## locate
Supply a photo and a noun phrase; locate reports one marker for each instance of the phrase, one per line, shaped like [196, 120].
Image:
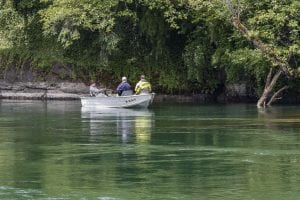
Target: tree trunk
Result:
[269, 86]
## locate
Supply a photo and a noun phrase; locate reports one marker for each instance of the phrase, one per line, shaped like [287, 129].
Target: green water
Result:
[57, 150]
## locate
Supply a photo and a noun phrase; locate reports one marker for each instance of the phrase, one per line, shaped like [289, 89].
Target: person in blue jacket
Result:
[124, 88]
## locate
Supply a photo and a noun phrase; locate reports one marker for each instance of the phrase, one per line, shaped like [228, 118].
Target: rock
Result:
[43, 90]
[20, 95]
[237, 93]
[236, 89]
[196, 98]
[73, 87]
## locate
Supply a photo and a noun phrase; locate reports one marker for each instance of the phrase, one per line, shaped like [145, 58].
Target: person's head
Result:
[124, 79]
[142, 77]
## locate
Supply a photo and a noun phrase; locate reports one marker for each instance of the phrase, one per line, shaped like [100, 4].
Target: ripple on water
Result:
[7, 192]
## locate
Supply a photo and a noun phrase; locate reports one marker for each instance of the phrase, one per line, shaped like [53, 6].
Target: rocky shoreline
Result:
[59, 85]
[42, 90]
[65, 90]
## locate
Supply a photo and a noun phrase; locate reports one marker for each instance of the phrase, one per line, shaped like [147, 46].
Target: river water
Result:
[57, 150]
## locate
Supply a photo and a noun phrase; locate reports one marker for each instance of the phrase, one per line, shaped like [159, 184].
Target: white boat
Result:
[132, 101]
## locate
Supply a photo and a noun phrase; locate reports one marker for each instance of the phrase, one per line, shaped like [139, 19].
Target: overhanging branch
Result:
[257, 42]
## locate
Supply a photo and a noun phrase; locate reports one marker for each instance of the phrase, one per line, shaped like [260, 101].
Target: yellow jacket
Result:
[142, 86]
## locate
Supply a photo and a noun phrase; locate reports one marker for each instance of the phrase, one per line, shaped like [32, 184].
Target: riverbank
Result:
[67, 90]
[56, 89]
[43, 90]
[59, 84]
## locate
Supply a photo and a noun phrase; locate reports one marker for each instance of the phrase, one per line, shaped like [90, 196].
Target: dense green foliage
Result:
[183, 46]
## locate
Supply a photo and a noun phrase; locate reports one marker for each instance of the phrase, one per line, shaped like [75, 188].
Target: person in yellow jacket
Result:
[143, 86]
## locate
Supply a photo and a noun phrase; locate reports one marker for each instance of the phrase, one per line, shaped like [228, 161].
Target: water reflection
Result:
[280, 118]
[57, 150]
[130, 125]
[37, 106]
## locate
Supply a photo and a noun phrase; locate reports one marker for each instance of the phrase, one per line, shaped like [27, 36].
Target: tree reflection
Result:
[279, 118]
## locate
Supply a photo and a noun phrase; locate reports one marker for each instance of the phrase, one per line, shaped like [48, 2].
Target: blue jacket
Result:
[123, 87]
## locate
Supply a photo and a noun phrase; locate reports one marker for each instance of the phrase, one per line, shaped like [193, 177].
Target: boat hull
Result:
[133, 101]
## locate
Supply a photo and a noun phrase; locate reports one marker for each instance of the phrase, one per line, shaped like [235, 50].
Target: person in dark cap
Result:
[143, 86]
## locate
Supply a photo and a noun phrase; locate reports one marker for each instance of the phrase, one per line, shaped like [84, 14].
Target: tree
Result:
[67, 19]
[12, 26]
[275, 32]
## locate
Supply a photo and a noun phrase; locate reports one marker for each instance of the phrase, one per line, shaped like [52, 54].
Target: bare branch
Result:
[274, 79]
[269, 77]
[274, 97]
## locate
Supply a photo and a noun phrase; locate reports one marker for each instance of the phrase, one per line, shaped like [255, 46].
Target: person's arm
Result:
[137, 88]
[120, 89]
[128, 86]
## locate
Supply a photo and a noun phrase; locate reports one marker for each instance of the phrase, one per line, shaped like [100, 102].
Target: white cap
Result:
[124, 78]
